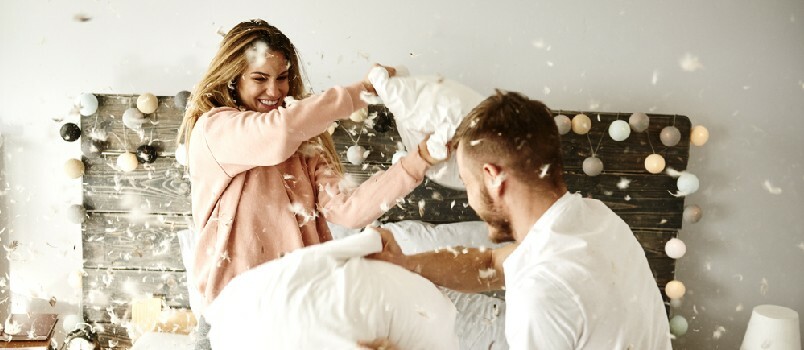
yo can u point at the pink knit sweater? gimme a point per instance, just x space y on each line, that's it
256 195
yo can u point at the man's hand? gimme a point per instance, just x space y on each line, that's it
390 249
367 84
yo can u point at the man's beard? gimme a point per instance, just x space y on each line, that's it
499 223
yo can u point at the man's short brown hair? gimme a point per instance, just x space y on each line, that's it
519 134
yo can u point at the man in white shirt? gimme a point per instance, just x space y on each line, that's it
576 278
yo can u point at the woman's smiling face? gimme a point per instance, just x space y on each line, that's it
262 88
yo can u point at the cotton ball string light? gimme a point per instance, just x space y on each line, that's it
181 154
70 132
356 154
699 135
76 213
147 103
687 183
383 123
639 122
581 124
87 104
146 154
675 289
692 214
69 323
133 119
619 130
359 115
654 163
670 136
180 100
74 168
678 325
676 303
675 248
592 166
127 162
563 123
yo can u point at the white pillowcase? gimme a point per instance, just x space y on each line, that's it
329 297
424 105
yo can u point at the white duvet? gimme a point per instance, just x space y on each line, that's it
329 297
424 105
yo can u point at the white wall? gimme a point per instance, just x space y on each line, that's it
602 55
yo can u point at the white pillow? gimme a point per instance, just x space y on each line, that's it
416 236
328 296
424 105
160 341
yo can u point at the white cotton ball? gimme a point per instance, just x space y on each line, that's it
592 166
127 162
654 163
356 154
639 122
699 135
359 115
69 322
692 214
619 130
670 136
74 168
133 119
398 155
563 123
687 183
76 213
675 248
147 103
181 154
581 124
87 104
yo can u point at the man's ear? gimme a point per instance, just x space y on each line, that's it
494 180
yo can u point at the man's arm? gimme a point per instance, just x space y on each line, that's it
461 269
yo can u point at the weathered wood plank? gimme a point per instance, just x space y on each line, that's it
150 243
160 130
160 187
108 292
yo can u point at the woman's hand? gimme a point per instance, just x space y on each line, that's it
367 84
425 153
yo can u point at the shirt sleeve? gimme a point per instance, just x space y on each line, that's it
240 140
542 315
358 207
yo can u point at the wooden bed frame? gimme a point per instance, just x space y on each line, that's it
127 256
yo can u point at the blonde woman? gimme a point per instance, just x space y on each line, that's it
265 176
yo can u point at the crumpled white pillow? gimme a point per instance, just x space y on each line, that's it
329 297
424 105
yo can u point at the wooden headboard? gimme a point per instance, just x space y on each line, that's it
129 237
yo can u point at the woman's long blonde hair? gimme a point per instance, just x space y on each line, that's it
217 88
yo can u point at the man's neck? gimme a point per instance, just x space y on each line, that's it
527 205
